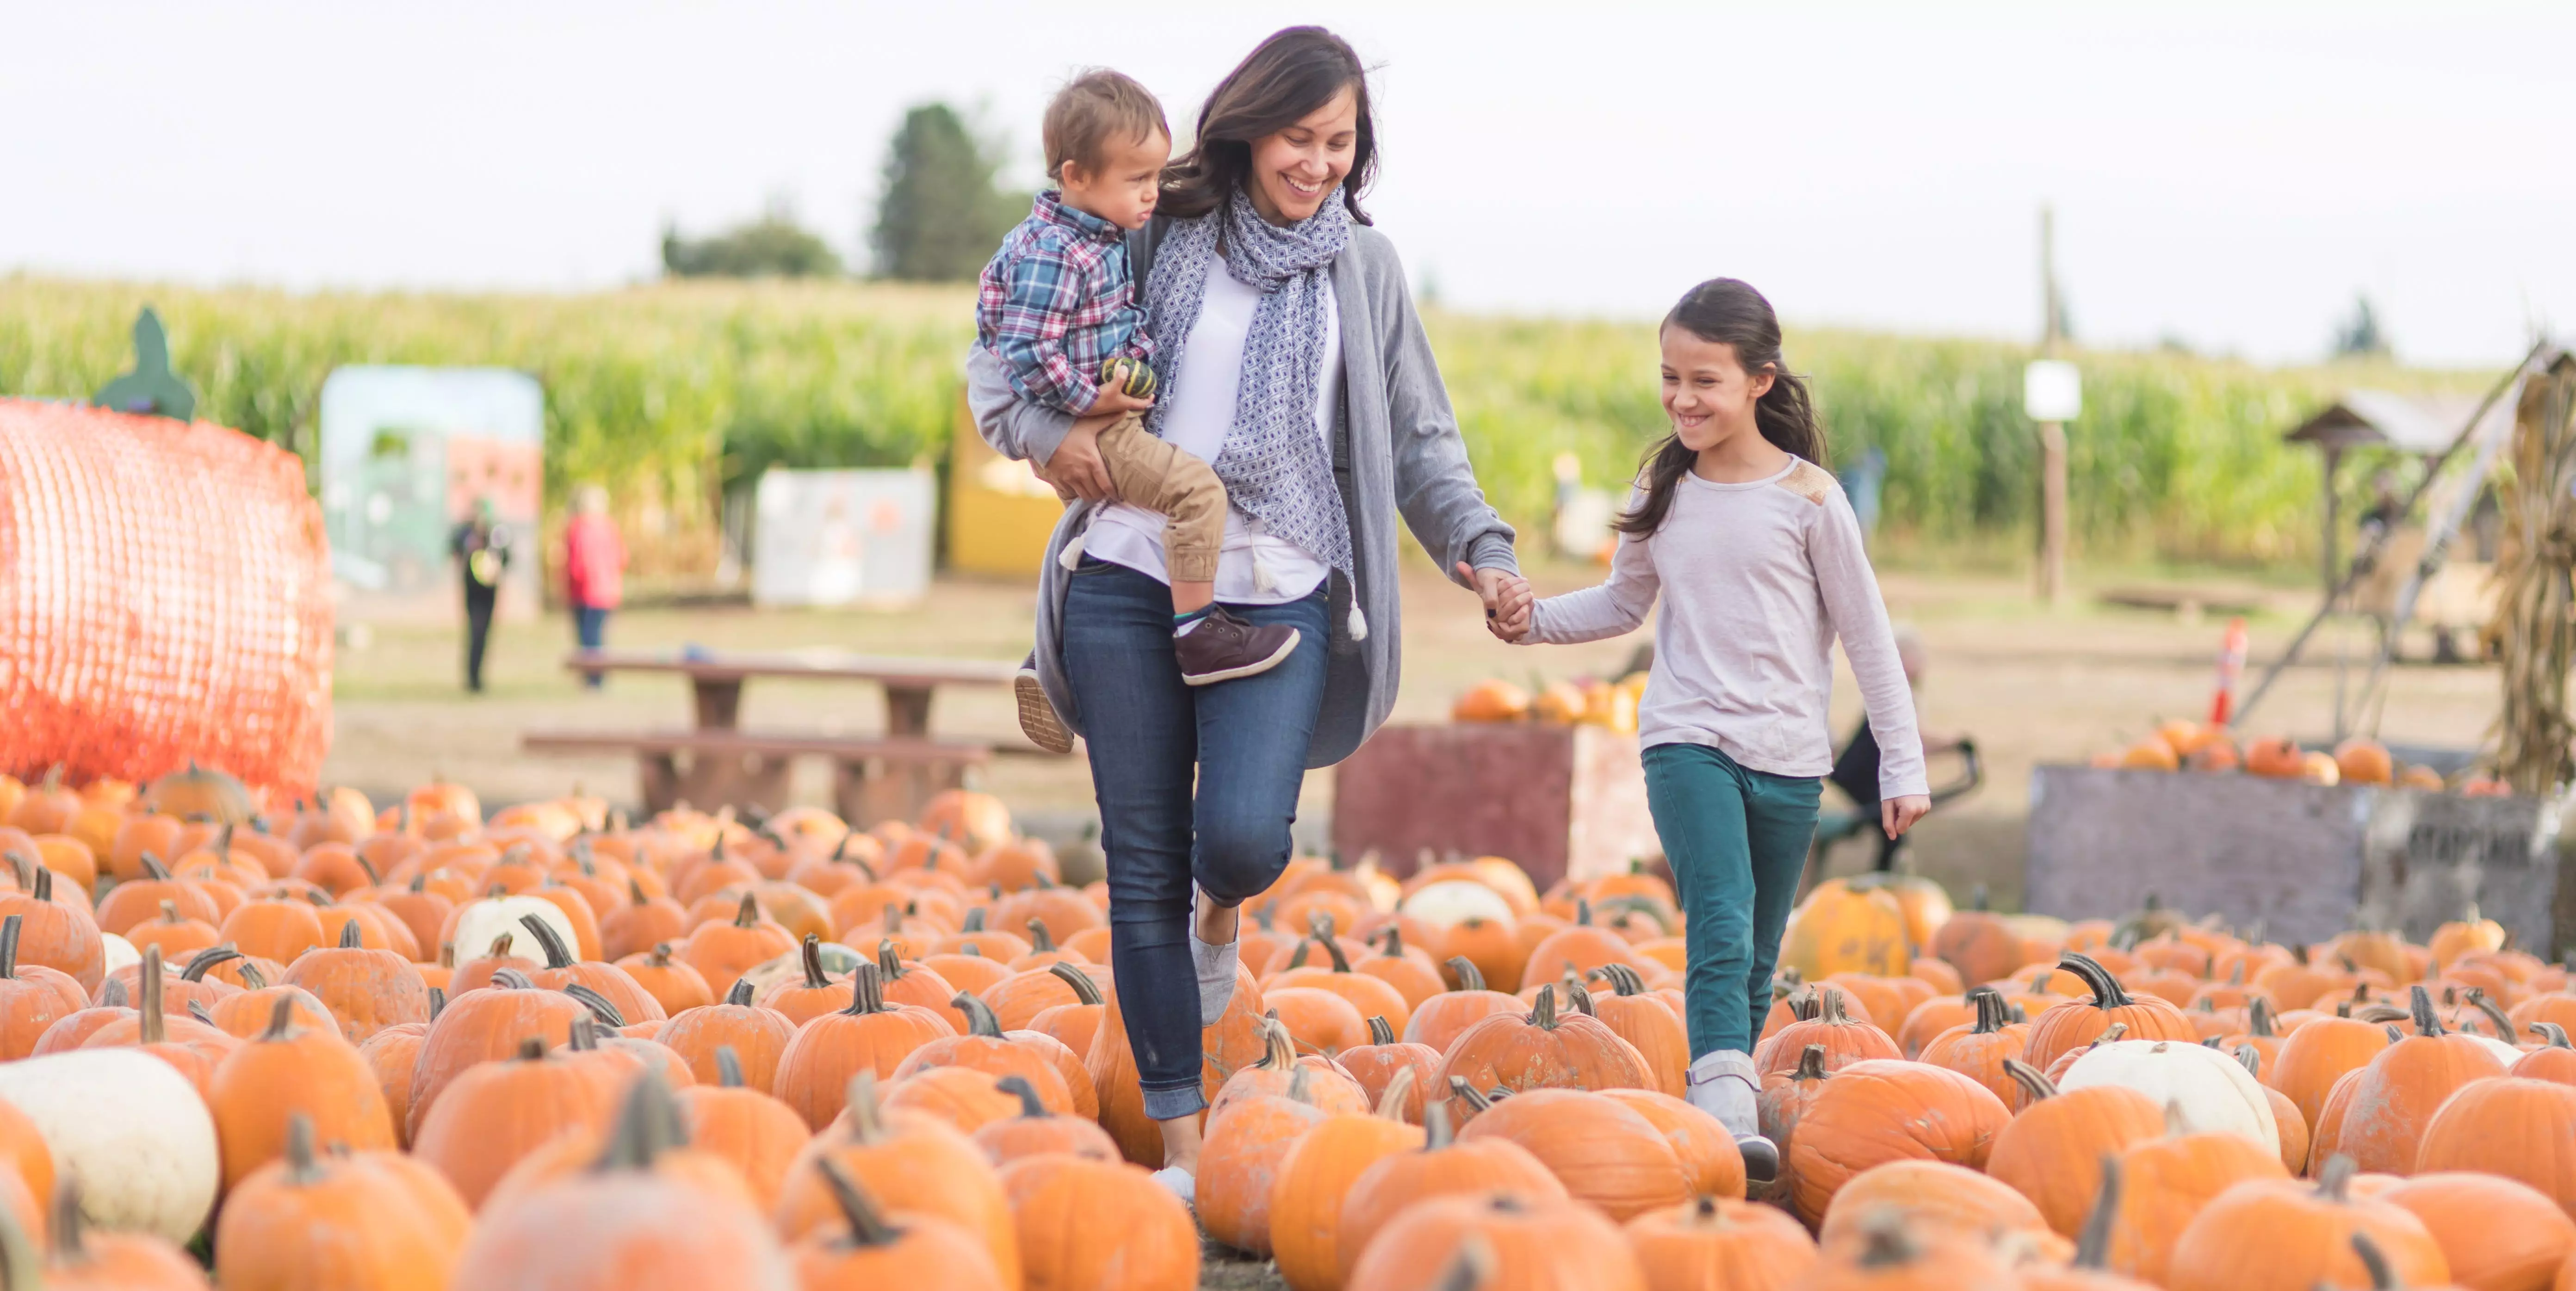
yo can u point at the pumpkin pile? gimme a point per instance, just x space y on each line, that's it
2360 760
1590 702
420 1047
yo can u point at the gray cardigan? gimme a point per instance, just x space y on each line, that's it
1396 451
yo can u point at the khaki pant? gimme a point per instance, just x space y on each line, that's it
1147 472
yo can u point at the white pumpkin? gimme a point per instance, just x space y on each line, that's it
2201 1089
482 922
1451 902
120 952
131 1129
2504 1053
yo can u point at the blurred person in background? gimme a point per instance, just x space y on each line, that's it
594 562
482 547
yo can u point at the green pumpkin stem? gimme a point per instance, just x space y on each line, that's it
1085 990
2093 1241
810 956
868 1225
1470 978
728 1067
2107 993
558 955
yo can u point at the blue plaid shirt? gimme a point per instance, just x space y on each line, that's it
1057 300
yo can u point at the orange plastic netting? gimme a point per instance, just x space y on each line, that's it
164 595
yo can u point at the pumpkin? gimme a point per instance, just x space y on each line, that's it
2466 935
391 1054
193 791
2553 1060
59 934
2048 1151
723 950
1545 1050
2076 1023
1490 700
1888 1257
1713 1244
1823 1017
814 1070
1445 1166
625 1222
1384 1060
2275 758
2316 1055
1708 1153
563 971
374 1219
1981 1049
1931 1196
2200 1088
641 923
2513 1127
1786 1096
2496 1234
1099 1226
674 986
24 1154
880 1250
82 1260
1240 1162
365 990
1846 927
289 1073
756 1035
1329 1086
807 993
1978 943
2089 1268
1369 996
1444 1017
1043 1061
1037 1130
482 1026
2394 1098
1237 1040
2286 1236
1603 1151
130 1126
1887 1110
2362 760
1498 1240
32 997
912 1163
2165 1182
1320 1021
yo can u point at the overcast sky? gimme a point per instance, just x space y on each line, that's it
2229 175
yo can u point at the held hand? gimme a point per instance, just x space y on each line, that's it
1507 600
1076 464
1899 814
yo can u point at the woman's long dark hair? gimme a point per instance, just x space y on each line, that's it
1727 311
1282 80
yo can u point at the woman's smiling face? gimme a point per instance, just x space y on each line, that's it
1295 170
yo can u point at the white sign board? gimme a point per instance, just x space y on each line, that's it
842 537
2052 390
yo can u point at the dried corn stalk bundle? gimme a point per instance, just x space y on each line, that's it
2536 606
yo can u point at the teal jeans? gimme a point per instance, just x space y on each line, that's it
1737 841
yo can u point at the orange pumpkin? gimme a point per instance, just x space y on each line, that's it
2395 1096
2077 1023
1603 1151
882 1250
1444 1167
2049 1151
1887 1110
870 1035
2286 1236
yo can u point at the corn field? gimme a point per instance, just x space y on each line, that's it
671 393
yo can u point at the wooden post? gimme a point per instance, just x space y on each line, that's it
2052 434
2334 574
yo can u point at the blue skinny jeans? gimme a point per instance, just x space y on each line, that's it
1737 841
1194 783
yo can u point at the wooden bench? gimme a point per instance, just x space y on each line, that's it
873 778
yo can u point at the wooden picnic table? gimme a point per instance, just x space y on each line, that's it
875 777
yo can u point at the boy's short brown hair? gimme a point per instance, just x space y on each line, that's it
1092 109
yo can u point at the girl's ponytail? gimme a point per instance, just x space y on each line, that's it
1728 311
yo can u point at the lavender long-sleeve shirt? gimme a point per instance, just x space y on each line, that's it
1757 580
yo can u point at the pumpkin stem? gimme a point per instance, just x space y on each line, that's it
2032 1080
1470 1268
1321 929
67 1227
1829 1007
1543 1014
508 979
980 1020
1398 1092
2551 1034
1394 942
44 884
598 1004
728 1067
2394 1035
532 1048
197 1010
867 1116
1380 1030
1811 1064
648 1125
437 1002
585 1035
739 995
1084 989
2419 1002
349 935
1436 1128
1041 942
501 944
2259 1019
1469 978
281 1016
1887 1245
810 955
1301 1086
868 1225
1461 1091
1019 1087
301 1168
2107 993
150 981
746 915
2252 1058
549 941
113 995
867 991
2374 1261
2093 1241
2495 1016
153 868
9 946
889 960
2334 1181
1278 1048
1993 1013
1580 998
1583 910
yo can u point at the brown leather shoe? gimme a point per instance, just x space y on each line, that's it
1223 647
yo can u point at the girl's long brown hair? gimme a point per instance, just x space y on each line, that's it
1283 79
1728 311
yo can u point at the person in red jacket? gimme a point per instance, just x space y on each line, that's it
594 569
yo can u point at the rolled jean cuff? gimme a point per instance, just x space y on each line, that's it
1173 1104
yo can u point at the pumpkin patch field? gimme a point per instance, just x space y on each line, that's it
332 1043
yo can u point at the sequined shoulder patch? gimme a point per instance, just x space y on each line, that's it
1809 481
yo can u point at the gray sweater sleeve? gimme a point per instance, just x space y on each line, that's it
1016 428
1859 617
1435 487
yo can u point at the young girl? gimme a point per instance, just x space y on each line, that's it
1758 557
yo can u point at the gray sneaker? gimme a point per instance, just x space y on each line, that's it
1222 647
1037 713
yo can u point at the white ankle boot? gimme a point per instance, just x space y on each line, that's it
1723 1085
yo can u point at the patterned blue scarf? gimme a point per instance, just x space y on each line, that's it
1273 464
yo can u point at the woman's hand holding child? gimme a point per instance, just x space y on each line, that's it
1507 600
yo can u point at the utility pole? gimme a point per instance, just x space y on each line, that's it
2052 426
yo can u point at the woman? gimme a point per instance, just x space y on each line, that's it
1290 357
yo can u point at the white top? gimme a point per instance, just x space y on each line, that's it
1253 568
1757 579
